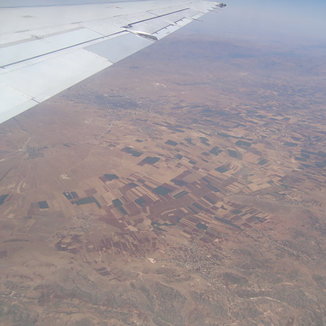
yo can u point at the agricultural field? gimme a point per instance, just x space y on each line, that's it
196 197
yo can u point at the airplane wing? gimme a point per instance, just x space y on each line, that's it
44 50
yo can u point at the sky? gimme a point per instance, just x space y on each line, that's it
294 22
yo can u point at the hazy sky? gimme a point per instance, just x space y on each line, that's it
288 21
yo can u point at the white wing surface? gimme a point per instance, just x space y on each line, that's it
44 50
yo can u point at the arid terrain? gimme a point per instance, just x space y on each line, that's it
184 186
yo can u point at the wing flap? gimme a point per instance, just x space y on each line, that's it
13 102
24 88
119 47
